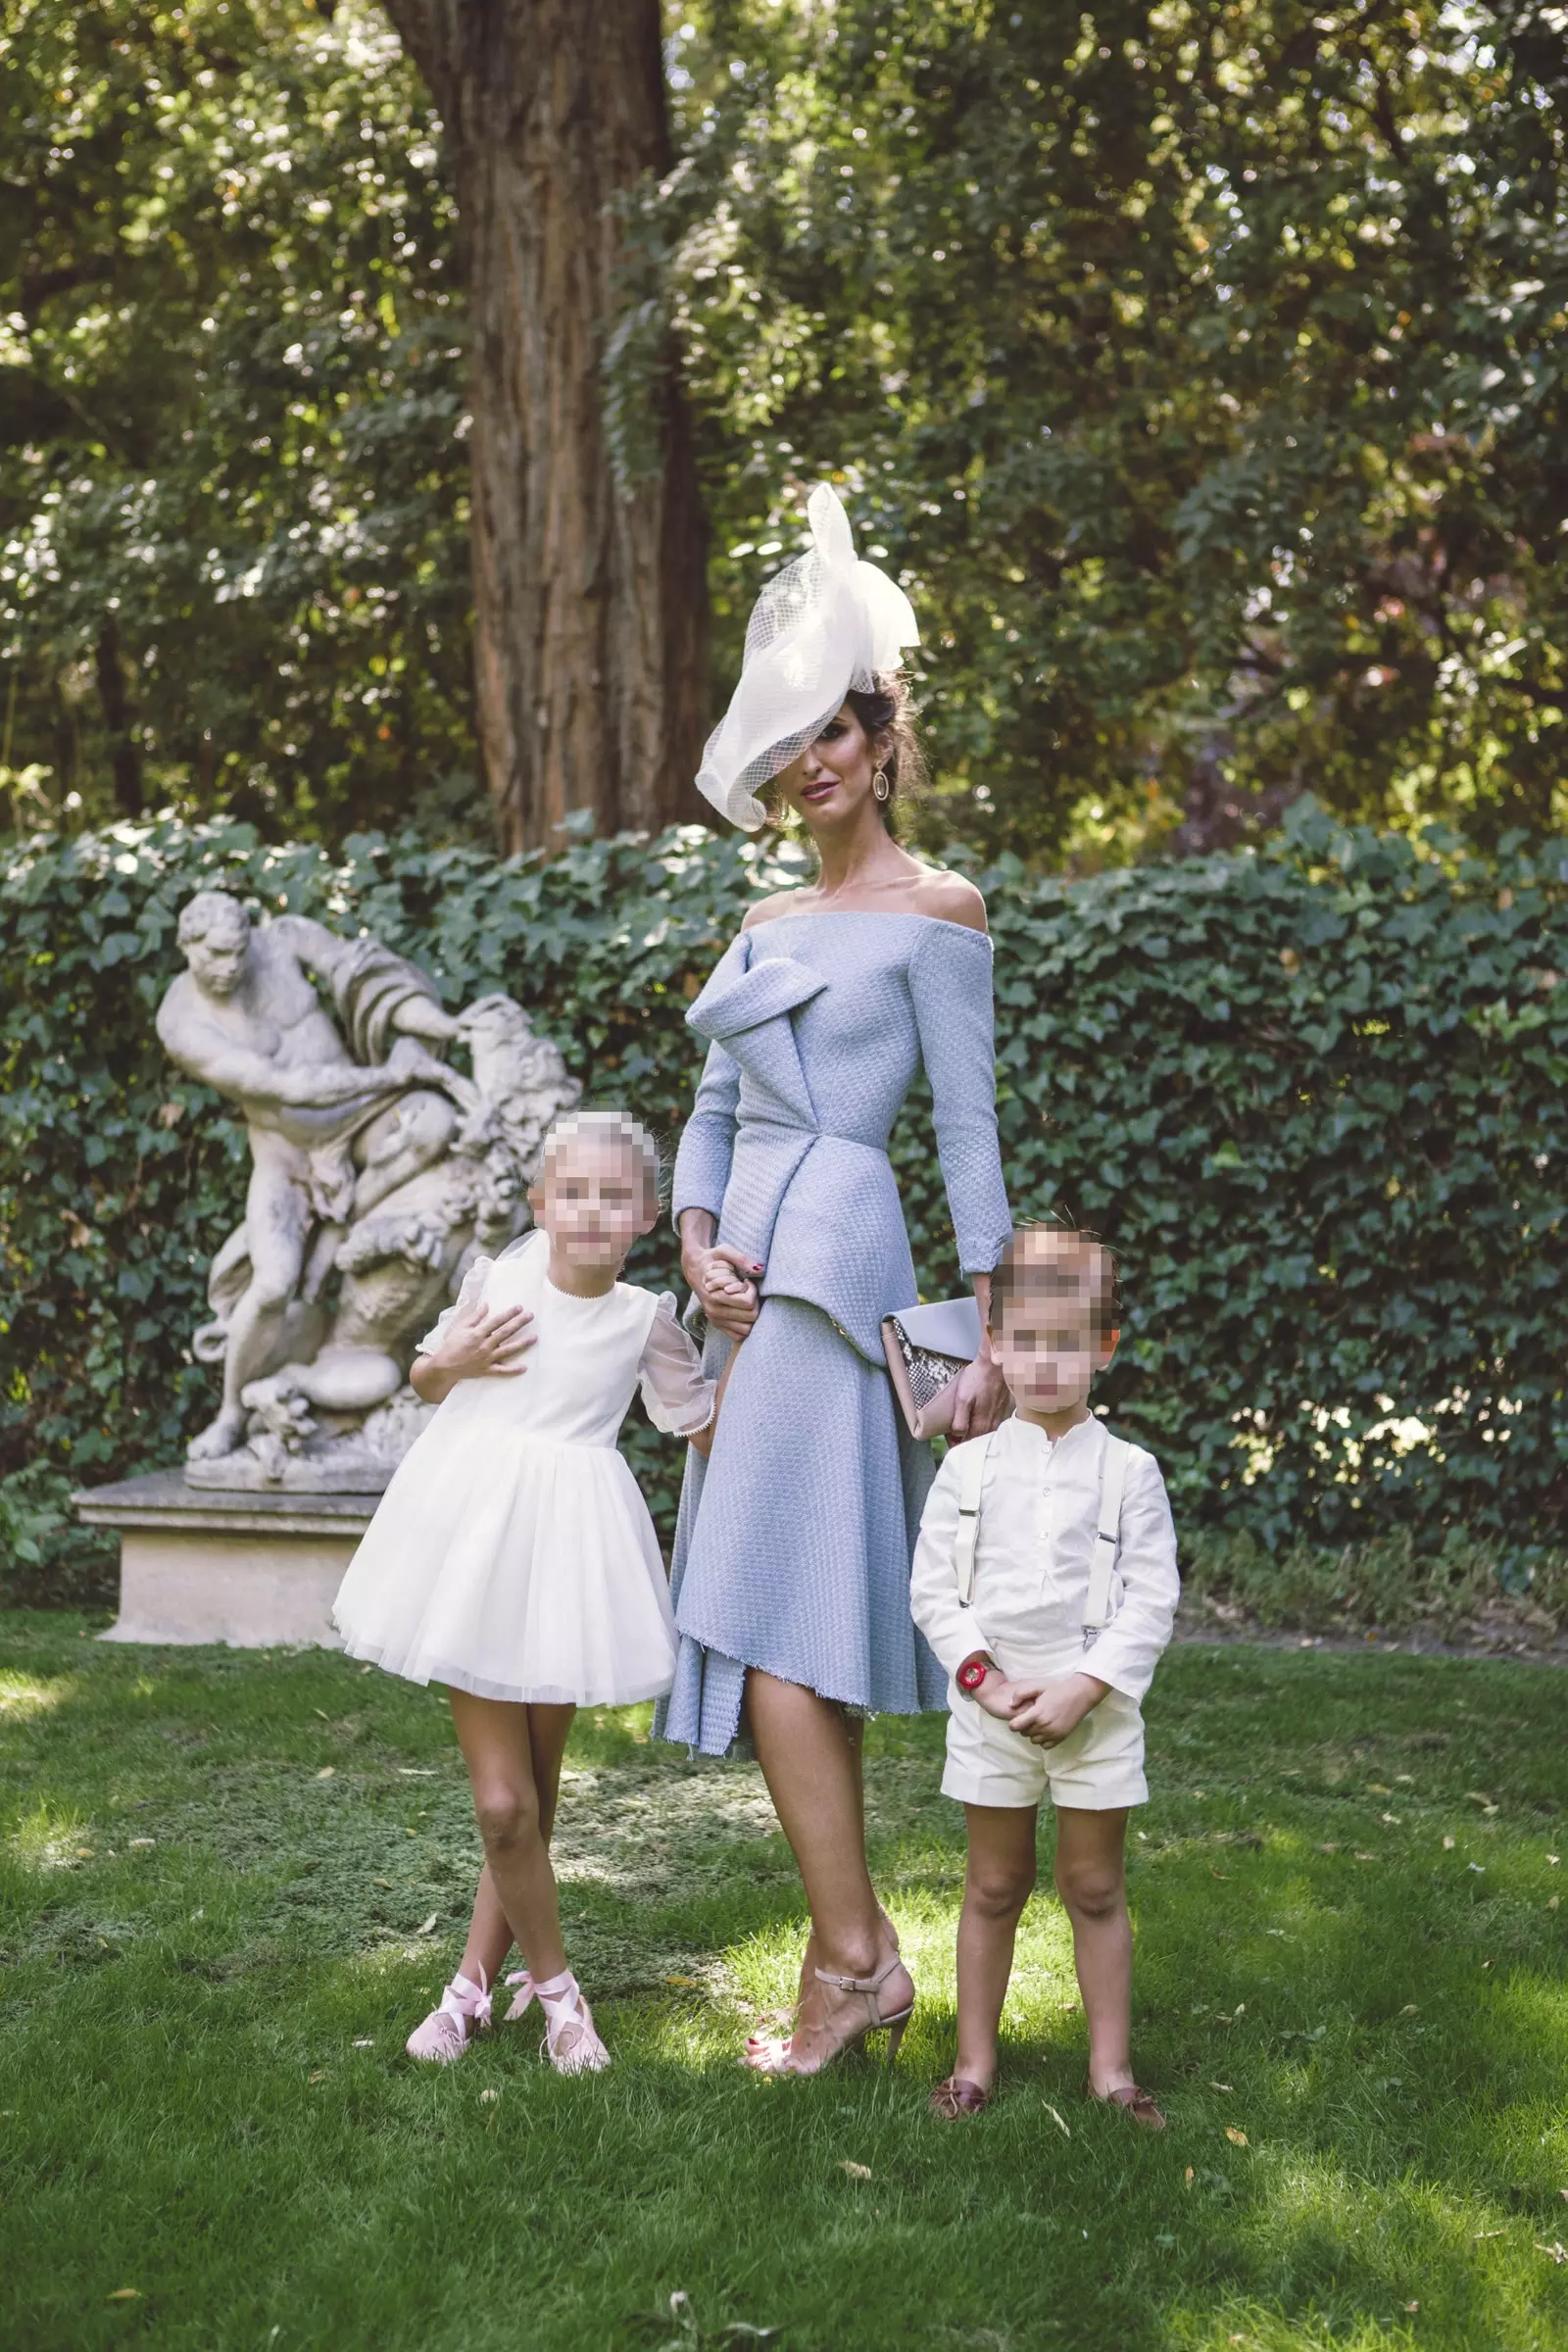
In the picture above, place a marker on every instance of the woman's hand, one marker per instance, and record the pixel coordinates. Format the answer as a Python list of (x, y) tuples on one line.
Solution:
[(724, 1279), (477, 1345), (982, 1401)]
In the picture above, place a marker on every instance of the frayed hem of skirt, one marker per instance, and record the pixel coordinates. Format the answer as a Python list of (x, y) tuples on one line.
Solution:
[(740, 1746), (544, 1694)]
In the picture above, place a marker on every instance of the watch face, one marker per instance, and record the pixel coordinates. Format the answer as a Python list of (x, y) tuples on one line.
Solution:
[(971, 1674)]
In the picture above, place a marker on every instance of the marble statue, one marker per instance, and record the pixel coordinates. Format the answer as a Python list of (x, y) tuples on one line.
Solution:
[(377, 1170)]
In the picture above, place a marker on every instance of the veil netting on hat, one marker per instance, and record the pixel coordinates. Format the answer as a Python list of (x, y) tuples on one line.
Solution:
[(827, 624)]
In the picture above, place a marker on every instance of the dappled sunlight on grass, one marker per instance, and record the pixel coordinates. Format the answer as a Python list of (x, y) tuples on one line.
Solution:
[(264, 1868), (49, 1838), (22, 1695)]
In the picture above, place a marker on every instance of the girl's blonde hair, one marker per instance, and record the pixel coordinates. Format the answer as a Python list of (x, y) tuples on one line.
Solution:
[(617, 1127)]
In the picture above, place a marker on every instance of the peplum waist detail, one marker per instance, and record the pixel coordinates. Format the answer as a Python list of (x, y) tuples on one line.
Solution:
[(821, 1213)]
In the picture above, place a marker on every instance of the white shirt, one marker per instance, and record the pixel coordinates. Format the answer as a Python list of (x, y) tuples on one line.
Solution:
[(1039, 1510)]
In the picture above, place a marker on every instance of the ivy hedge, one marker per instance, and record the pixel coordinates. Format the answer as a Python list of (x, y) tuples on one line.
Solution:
[(1316, 1095)]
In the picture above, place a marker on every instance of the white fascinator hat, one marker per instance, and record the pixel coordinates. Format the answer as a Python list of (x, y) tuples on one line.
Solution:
[(828, 624)]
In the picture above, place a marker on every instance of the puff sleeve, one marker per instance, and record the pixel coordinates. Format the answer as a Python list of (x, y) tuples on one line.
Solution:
[(469, 1294), (950, 984), (677, 1400)]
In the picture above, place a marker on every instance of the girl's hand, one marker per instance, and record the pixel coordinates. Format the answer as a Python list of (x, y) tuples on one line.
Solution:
[(1046, 1712), (982, 1401), (478, 1344), (725, 1282)]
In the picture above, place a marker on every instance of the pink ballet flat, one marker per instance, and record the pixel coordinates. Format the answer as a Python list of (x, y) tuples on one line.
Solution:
[(570, 2042), (463, 2010)]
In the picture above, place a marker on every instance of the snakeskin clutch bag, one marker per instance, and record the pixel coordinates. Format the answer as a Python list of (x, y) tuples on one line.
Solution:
[(927, 1348)]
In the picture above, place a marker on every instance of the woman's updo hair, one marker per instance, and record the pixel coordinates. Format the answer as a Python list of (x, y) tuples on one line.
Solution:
[(887, 711)]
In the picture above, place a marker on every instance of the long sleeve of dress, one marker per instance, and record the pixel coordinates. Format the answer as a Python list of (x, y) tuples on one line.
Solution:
[(950, 983), (678, 1400), (708, 1140)]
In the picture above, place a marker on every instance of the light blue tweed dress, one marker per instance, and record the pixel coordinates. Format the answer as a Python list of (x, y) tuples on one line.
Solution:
[(794, 1542)]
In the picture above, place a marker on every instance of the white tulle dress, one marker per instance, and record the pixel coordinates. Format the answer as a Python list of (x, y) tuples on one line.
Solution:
[(512, 1556)]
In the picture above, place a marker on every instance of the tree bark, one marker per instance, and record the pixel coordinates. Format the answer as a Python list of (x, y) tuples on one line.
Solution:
[(124, 759), (590, 604)]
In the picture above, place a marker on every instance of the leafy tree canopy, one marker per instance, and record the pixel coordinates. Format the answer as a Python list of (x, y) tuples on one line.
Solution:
[(231, 479), (1200, 365)]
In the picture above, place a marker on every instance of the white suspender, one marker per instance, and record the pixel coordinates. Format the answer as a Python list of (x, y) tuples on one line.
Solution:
[(971, 1477), (1108, 1541)]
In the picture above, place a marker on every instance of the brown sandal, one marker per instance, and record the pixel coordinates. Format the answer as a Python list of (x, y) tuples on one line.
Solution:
[(1139, 2104), (958, 2096)]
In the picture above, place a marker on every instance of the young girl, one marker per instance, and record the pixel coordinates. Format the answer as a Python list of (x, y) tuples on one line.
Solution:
[(513, 1558)]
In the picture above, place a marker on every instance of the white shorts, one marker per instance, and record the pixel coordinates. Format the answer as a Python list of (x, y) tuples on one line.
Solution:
[(1097, 1768)]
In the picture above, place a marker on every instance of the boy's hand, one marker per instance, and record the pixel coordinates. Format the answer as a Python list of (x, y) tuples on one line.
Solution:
[(1046, 1712), (478, 1344), (1000, 1697)]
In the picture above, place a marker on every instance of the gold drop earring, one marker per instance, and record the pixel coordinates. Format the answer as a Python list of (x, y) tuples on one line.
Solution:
[(880, 786)]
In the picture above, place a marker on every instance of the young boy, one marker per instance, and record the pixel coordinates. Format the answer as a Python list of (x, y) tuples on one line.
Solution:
[(1051, 1631)]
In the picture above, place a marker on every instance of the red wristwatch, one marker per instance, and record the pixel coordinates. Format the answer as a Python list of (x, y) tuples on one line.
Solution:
[(972, 1673)]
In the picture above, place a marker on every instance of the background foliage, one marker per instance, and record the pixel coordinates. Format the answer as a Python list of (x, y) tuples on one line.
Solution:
[(232, 485), (1200, 364), (1317, 1097)]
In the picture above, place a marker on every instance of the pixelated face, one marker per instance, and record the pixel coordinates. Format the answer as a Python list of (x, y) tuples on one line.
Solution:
[(218, 958), (594, 1196), (1053, 1333)]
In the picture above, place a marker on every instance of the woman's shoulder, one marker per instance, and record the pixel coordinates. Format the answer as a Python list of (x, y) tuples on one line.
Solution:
[(779, 901), (951, 897), (932, 891)]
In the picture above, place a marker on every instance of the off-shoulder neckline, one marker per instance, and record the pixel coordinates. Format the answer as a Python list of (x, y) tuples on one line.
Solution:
[(873, 914)]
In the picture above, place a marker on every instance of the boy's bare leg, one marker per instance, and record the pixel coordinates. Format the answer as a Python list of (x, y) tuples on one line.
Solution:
[(1092, 1882), (489, 1933), (998, 1883)]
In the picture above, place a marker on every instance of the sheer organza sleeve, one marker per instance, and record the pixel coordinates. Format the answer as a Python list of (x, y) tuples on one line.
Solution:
[(678, 1399), (471, 1292)]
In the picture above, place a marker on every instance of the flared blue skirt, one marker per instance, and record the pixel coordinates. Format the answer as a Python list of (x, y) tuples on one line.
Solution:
[(793, 1542)]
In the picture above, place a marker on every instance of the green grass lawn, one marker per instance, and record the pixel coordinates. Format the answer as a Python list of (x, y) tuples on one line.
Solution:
[(219, 1871)]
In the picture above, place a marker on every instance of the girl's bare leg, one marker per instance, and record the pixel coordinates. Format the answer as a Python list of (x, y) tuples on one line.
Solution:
[(489, 1935), (513, 1758), (998, 1882), (1092, 1881)]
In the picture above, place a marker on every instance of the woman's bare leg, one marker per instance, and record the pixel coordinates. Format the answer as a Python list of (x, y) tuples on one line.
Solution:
[(1092, 1881), (498, 1742), (810, 1759), (998, 1883), (489, 1933)]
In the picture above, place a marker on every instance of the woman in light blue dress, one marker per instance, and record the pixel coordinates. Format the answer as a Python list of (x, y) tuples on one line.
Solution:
[(791, 1570)]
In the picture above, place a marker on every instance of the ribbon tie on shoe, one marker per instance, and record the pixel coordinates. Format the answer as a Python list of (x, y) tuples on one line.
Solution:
[(473, 2002), (522, 1999)]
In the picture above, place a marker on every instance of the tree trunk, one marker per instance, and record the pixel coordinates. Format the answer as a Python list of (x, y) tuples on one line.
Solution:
[(590, 607), (124, 760)]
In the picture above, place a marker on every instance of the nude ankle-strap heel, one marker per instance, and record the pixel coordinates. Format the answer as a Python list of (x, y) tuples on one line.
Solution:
[(855, 2012)]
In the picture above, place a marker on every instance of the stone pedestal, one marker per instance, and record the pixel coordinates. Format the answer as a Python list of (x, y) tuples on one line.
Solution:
[(254, 1570)]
